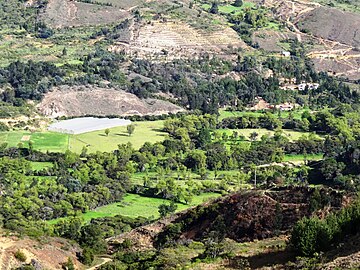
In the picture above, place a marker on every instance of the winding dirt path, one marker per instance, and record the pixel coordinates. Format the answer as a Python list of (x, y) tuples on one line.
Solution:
[(105, 260)]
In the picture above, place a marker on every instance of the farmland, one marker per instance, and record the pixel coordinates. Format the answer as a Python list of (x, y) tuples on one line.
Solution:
[(290, 134), (139, 206), (95, 141), (42, 141)]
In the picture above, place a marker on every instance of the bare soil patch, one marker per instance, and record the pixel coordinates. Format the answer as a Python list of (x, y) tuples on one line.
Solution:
[(25, 138), (49, 254), (65, 13), (332, 24), (91, 100)]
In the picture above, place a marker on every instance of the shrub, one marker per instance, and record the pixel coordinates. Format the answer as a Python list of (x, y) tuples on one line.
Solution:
[(19, 255)]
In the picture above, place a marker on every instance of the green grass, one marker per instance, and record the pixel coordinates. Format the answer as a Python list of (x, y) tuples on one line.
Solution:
[(42, 141), (302, 157), (290, 134), (228, 114), (134, 205), (145, 131), (38, 166)]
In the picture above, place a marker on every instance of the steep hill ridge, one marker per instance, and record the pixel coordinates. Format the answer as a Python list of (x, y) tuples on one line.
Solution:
[(247, 216)]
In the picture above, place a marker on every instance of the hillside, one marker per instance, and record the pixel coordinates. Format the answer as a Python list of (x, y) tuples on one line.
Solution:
[(247, 216), (89, 100), (332, 24), (67, 13), (49, 253)]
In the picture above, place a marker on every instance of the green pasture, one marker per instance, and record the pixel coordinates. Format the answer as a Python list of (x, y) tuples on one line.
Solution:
[(134, 205), (290, 134), (292, 158), (38, 166), (42, 141), (145, 131)]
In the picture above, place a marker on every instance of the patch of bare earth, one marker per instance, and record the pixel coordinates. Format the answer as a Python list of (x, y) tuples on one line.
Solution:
[(332, 24), (65, 13), (49, 254), (91, 100)]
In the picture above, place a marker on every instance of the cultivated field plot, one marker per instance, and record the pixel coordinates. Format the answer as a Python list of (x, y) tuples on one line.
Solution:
[(145, 131), (42, 141), (86, 124)]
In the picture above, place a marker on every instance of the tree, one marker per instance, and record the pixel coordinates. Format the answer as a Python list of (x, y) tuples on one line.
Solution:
[(310, 235), (253, 136), (31, 146), (87, 256), (165, 209), (130, 129), (214, 8), (107, 131), (238, 3)]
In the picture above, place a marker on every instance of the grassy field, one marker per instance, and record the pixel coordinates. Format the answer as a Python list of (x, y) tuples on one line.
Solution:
[(97, 140), (146, 131), (42, 141), (283, 114), (290, 134), (138, 206), (302, 157), (38, 166)]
